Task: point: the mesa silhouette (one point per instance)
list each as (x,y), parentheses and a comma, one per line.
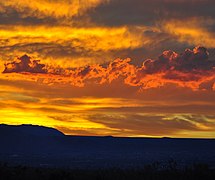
(42,146)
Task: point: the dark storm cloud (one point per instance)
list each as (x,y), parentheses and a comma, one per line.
(196,59)
(147,12)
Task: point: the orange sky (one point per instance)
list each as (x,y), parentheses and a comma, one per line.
(109,67)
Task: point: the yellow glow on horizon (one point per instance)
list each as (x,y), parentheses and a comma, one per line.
(16,117)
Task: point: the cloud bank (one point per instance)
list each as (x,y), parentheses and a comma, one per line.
(192,69)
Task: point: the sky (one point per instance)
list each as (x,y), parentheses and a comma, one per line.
(143,68)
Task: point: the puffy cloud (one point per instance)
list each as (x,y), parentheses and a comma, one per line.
(24,64)
(189,69)
(192,68)
(189,60)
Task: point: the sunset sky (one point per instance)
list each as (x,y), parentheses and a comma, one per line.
(109,67)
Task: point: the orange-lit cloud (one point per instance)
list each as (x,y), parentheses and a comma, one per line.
(92,38)
(69,46)
(56,8)
(192,68)
(192,30)
(24,64)
(108,116)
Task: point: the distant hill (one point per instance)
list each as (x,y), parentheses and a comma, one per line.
(28,130)
(39,146)
(28,140)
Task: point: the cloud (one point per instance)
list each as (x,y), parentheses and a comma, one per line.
(147,12)
(193,30)
(189,69)
(74,46)
(140,27)
(24,64)
(189,60)
(192,68)
(155,112)
(154,125)
(53,8)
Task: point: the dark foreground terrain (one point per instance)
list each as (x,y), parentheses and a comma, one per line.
(148,172)
(35,146)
